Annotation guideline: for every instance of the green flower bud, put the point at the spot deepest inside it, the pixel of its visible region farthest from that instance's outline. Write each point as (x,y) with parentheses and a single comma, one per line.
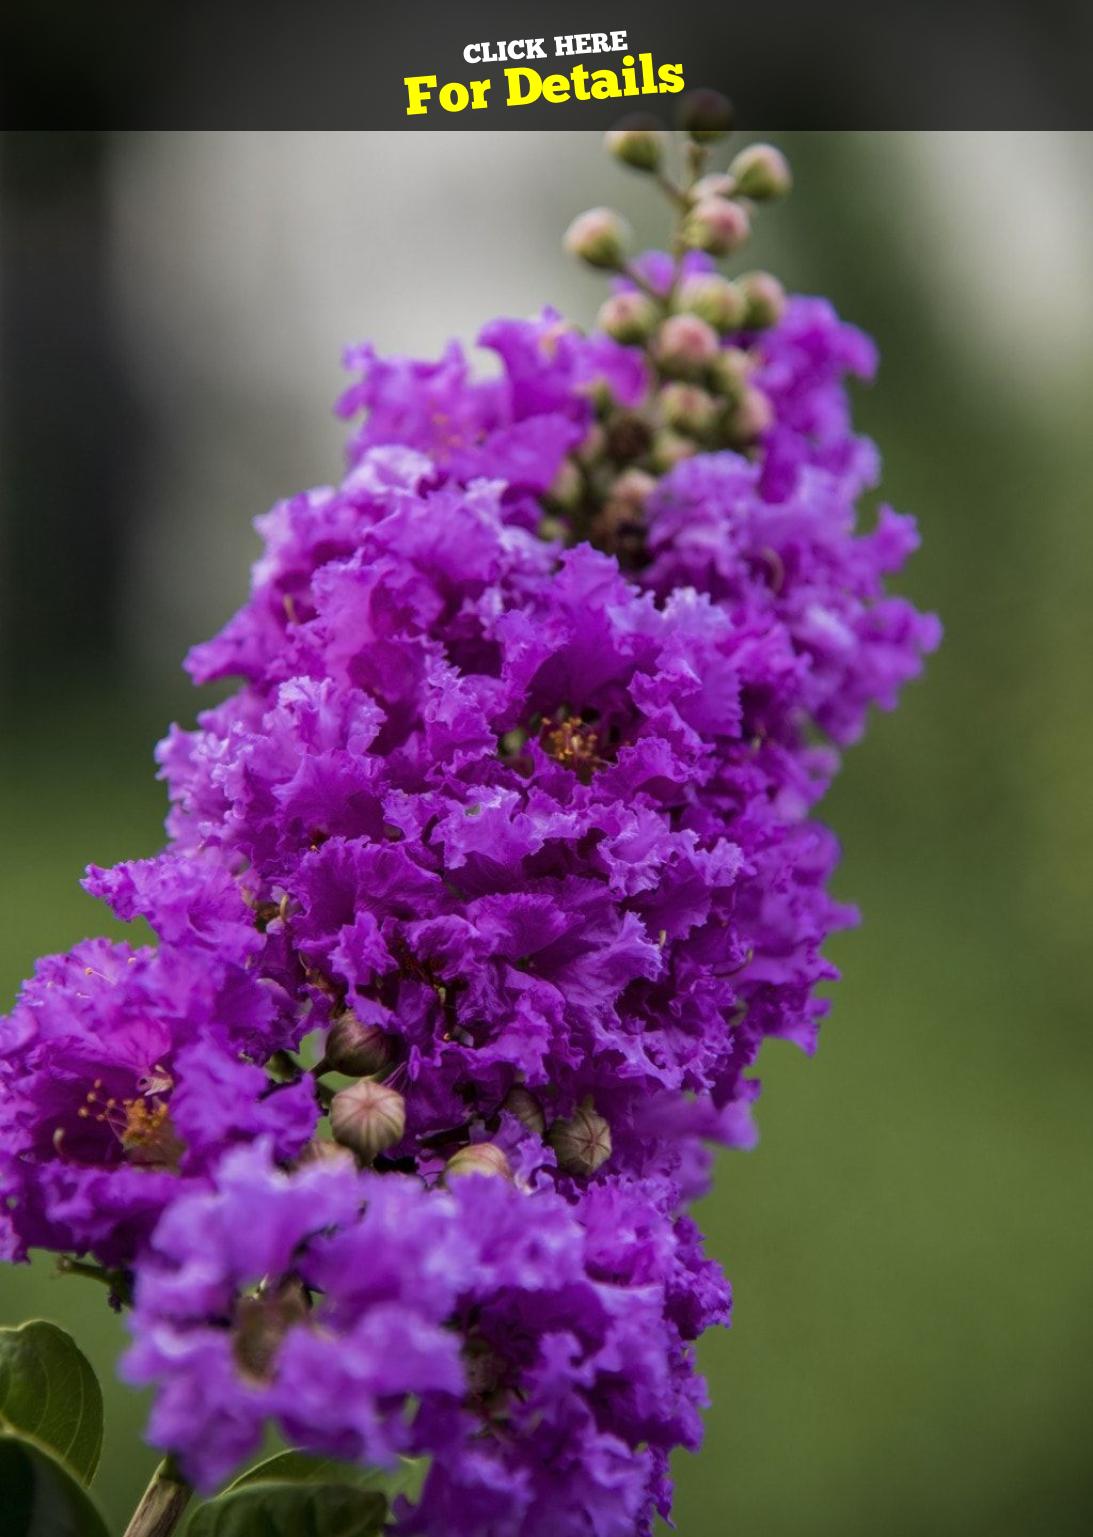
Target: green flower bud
(669,448)
(761,172)
(567,486)
(628,317)
(368,1118)
(598,237)
(322,1150)
(766,299)
(730,371)
(720,303)
(685,344)
(716,225)
(526,1108)
(478,1158)
(687,407)
(716,184)
(751,415)
(642,148)
(355,1049)
(583,1142)
(706,116)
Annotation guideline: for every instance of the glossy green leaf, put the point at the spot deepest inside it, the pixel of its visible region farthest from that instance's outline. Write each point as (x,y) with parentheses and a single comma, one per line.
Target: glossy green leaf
(300,1467)
(49,1391)
(283,1509)
(39,1497)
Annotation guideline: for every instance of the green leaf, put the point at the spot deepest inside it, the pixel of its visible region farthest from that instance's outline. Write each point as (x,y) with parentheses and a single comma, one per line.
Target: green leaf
(40,1496)
(282,1509)
(300,1467)
(49,1391)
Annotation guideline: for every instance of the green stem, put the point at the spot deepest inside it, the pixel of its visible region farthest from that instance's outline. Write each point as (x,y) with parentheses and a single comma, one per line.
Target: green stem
(162,1503)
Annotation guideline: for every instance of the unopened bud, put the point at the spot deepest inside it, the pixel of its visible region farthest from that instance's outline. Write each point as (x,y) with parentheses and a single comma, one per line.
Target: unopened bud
(526,1108)
(642,148)
(716,184)
(669,448)
(479,1158)
(628,317)
(687,407)
(592,445)
(631,491)
(567,486)
(761,172)
(716,225)
(598,237)
(583,1142)
(706,115)
(322,1150)
(766,299)
(730,371)
(685,344)
(355,1049)
(714,299)
(751,416)
(368,1117)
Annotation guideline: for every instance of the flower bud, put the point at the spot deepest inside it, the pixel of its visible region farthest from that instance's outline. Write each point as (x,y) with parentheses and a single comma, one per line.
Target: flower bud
(368,1117)
(478,1158)
(583,1142)
(766,299)
(716,225)
(730,371)
(322,1150)
(598,237)
(687,407)
(751,416)
(716,184)
(714,299)
(706,116)
(628,317)
(592,445)
(685,344)
(526,1108)
(567,486)
(631,491)
(761,172)
(669,448)
(642,148)
(355,1049)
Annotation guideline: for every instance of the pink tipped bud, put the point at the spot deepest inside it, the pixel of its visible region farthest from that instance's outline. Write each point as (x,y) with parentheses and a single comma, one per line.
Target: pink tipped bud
(752,415)
(642,148)
(716,225)
(632,490)
(583,1142)
(526,1108)
(716,184)
(368,1117)
(598,237)
(628,317)
(714,299)
(706,116)
(355,1049)
(479,1158)
(761,172)
(687,407)
(685,344)
(766,299)
(321,1150)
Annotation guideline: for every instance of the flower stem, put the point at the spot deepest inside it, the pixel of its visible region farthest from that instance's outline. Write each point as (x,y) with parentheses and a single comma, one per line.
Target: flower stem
(162,1503)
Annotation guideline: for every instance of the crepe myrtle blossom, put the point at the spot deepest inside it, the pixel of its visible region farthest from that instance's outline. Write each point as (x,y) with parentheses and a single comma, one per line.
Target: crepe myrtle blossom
(522,1342)
(482,892)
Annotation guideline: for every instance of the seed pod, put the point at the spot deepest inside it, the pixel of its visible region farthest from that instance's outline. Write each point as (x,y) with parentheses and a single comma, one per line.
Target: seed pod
(479,1158)
(526,1108)
(716,225)
(761,172)
(598,237)
(355,1049)
(583,1142)
(368,1117)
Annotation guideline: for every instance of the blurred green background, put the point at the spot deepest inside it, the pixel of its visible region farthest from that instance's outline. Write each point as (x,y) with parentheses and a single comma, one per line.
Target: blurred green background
(910,1244)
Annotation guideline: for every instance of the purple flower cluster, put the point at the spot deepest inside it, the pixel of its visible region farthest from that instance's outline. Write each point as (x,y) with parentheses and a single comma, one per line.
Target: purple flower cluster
(527,822)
